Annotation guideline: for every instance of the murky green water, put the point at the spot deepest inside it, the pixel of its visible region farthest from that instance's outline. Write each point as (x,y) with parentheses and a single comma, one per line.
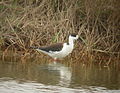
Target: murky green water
(60,77)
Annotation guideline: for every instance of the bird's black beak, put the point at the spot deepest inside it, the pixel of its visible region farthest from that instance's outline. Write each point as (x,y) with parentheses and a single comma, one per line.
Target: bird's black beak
(79,39)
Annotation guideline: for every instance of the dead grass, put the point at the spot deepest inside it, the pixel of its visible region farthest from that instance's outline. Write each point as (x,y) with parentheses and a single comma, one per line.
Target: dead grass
(26,23)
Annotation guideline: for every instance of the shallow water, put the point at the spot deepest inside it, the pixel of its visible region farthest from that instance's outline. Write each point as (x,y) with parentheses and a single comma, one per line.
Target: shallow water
(58,77)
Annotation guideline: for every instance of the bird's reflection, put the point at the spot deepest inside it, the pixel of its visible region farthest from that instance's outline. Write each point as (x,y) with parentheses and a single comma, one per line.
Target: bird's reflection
(64,73)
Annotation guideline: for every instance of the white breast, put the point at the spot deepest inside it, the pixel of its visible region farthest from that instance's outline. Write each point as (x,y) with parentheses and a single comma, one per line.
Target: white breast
(67,49)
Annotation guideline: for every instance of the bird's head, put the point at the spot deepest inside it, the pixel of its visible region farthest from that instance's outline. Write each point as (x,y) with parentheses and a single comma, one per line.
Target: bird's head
(73,36)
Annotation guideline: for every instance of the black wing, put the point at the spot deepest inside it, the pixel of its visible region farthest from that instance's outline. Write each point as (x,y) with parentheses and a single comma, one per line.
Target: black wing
(54,47)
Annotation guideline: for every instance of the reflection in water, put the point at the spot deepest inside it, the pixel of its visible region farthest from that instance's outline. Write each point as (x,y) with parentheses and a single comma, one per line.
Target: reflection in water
(93,75)
(64,73)
(12,86)
(51,74)
(33,77)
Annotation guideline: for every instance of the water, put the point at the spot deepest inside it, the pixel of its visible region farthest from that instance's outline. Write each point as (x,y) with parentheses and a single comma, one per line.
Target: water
(60,77)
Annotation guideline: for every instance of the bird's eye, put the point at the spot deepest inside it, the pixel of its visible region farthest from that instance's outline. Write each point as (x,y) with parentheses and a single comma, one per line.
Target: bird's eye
(73,35)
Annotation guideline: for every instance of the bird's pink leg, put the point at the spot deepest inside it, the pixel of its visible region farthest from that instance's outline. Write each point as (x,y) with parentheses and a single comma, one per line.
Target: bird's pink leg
(56,60)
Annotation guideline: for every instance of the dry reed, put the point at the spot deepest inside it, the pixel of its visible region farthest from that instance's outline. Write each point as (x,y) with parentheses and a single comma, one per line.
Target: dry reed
(26,23)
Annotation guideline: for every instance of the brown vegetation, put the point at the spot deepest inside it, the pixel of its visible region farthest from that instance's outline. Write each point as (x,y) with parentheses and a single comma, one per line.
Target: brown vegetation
(25,23)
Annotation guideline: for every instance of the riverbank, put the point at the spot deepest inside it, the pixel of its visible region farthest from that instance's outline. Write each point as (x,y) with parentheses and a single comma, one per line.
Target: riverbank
(38,23)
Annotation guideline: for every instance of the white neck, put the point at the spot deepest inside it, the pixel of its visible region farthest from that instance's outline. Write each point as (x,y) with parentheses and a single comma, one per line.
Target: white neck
(71,41)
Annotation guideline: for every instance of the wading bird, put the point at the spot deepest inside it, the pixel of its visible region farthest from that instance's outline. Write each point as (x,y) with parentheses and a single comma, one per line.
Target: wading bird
(58,50)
